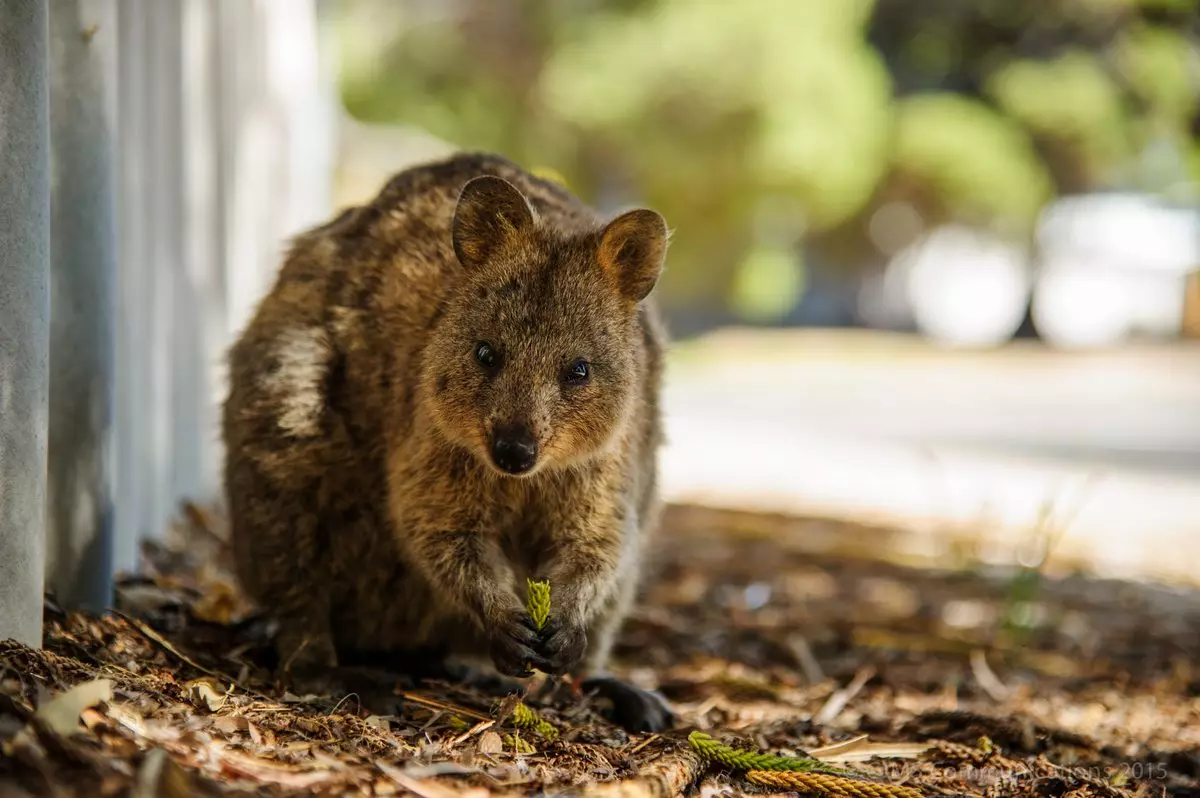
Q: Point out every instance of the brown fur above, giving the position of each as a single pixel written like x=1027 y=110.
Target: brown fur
x=367 y=514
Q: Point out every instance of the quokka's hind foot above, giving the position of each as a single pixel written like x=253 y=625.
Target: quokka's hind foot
x=632 y=708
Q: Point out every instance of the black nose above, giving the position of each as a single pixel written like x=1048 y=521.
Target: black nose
x=513 y=449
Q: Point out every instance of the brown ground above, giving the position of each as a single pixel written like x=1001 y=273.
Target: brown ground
x=968 y=682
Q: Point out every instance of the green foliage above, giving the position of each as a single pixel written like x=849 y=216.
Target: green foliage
x=980 y=163
x=518 y=745
x=1071 y=98
x=769 y=281
x=704 y=110
x=710 y=749
x=798 y=97
x=1161 y=65
x=525 y=718
x=538 y=601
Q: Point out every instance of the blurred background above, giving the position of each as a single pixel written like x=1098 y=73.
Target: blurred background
x=947 y=167
x=936 y=263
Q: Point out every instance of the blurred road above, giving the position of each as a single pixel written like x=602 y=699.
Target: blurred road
x=889 y=429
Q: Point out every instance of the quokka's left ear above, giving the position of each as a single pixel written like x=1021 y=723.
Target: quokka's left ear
x=632 y=248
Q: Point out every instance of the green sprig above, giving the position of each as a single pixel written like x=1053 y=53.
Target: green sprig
x=518 y=745
x=537 y=603
x=712 y=750
x=526 y=718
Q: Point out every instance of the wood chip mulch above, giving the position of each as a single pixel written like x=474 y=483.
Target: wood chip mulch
x=973 y=680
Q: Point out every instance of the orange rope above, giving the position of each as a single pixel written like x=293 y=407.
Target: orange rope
x=828 y=784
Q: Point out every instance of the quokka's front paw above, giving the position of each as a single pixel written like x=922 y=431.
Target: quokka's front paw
x=513 y=642
x=562 y=644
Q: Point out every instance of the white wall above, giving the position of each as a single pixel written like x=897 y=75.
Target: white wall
x=226 y=122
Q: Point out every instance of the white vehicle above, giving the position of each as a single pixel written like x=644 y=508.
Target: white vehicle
x=1112 y=267
x=1105 y=268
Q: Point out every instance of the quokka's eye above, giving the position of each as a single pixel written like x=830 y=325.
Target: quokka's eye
x=578 y=372
x=485 y=355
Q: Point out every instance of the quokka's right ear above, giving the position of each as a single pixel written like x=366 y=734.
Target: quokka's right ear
x=490 y=211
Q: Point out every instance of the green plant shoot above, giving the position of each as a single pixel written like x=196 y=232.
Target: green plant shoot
x=538 y=602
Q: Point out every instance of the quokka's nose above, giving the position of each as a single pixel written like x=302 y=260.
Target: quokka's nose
x=513 y=449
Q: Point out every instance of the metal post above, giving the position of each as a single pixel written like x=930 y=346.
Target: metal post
x=135 y=283
x=79 y=547
x=24 y=314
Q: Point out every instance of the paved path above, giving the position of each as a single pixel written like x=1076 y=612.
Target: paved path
x=885 y=429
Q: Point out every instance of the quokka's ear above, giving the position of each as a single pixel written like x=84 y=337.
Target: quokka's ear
x=490 y=211
x=632 y=248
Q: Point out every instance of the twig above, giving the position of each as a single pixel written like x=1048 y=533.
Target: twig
x=840 y=698
x=482 y=725
x=342 y=700
x=432 y=704
x=802 y=652
x=987 y=678
x=637 y=748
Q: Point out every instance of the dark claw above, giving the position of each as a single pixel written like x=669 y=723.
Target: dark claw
x=562 y=645
x=513 y=648
x=634 y=709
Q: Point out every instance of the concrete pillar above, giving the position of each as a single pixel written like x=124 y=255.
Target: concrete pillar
x=83 y=267
x=24 y=314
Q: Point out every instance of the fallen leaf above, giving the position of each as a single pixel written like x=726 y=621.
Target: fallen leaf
x=422 y=788
x=378 y=722
x=206 y=692
x=230 y=724
x=490 y=743
x=61 y=714
x=266 y=770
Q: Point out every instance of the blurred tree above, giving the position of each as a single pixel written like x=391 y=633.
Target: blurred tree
x=724 y=109
x=753 y=126
x=1095 y=82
